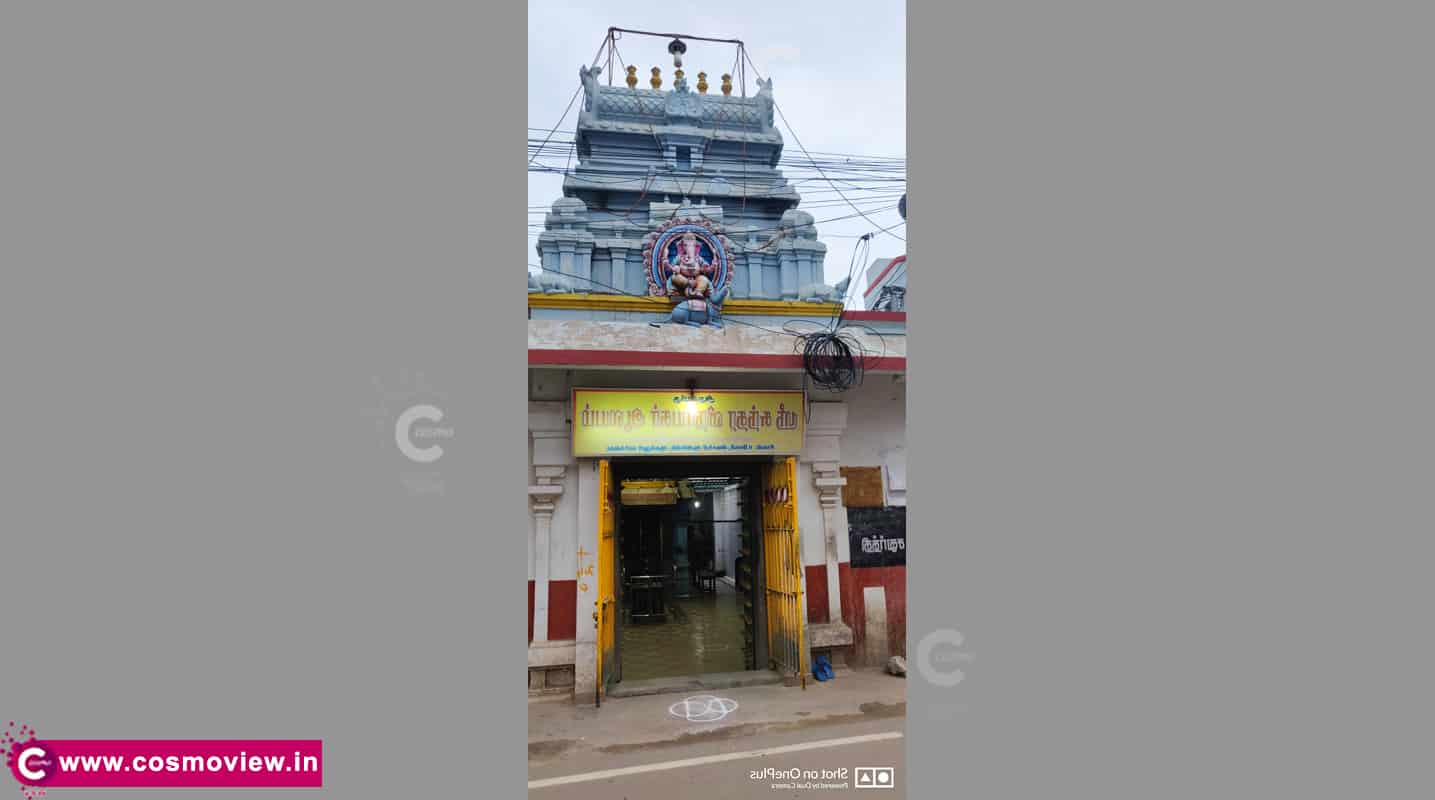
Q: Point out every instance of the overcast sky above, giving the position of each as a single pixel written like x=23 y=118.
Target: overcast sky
x=838 y=70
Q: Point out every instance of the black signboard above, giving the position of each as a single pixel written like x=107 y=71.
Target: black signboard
x=878 y=536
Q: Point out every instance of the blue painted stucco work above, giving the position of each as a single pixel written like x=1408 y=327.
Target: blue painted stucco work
x=653 y=161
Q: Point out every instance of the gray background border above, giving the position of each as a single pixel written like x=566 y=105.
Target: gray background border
x=233 y=234
x=1170 y=397
x=1177 y=419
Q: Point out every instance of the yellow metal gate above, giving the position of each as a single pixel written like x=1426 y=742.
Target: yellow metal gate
x=782 y=569
x=605 y=605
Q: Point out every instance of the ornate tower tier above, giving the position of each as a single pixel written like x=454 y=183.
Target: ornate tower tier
x=649 y=161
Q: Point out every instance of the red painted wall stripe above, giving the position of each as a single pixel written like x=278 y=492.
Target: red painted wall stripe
x=562 y=610
x=642 y=358
x=854 y=610
x=817 y=603
x=875 y=316
x=894 y=262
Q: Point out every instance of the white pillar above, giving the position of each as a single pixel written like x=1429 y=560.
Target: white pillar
x=552 y=453
x=829 y=482
x=544 y=499
x=566 y=258
x=618 y=256
x=585 y=668
x=875 y=649
x=822 y=449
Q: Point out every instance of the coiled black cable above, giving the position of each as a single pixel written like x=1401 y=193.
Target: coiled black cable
x=834 y=359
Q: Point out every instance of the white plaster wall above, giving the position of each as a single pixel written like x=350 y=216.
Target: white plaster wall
x=578 y=334
x=585 y=677
x=563 y=542
x=532 y=524
x=809 y=518
x=876 y=426
x=563 y=538
x=585 y=526
x=876 y=421
x=725 y=507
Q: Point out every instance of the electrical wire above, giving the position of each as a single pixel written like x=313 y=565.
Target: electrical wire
x=766 y=229
x=819 y=169
x=828 y=155
x=596 y=57
x=556 y=125
x=659 y=301
x=833 y=358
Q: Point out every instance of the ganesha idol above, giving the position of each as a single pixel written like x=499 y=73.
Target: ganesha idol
x=690 y=273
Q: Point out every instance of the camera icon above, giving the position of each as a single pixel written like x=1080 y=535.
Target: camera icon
x=876 y=778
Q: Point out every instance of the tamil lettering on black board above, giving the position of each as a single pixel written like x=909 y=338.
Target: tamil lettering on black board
x=878 y=536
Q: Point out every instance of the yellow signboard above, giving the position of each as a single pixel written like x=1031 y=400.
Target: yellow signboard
x=677 y=422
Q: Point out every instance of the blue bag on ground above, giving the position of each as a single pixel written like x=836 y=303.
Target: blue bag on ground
x=821 y=668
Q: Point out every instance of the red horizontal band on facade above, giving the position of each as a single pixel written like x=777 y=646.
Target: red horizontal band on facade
x=894 y=262
x=876 y=316
x=643 y=358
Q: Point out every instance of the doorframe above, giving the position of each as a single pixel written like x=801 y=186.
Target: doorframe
x=750 y=467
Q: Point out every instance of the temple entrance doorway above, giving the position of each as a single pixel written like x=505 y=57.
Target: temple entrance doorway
x=690 y=588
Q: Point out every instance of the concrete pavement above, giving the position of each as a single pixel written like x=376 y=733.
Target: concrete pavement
x=638 y=748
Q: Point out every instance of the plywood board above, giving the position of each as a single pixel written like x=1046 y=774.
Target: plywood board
x=864 y=487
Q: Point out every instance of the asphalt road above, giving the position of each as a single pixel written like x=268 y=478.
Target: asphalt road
x=824 y=749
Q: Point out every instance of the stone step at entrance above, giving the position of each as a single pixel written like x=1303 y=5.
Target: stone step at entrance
x=695 y=683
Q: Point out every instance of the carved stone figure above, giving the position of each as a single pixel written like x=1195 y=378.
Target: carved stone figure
x=698 y=312
x=557 y=283
x=764 y=97
x=818 y=293
x=689 y=270
x=687 y=257
x=589 y=78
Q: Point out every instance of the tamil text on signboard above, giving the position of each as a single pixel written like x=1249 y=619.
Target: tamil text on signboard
x=679 y=422
x=878 y=536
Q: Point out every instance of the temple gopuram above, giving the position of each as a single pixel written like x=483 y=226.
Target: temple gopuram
x=701 y=504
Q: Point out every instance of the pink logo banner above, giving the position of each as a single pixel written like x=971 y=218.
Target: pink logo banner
x=162 y=763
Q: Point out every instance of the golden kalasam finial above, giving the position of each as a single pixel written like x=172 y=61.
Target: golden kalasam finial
x=727 y=84
x=657 y=80
x=677 y=76
x=702 y=83
x=632 y=77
